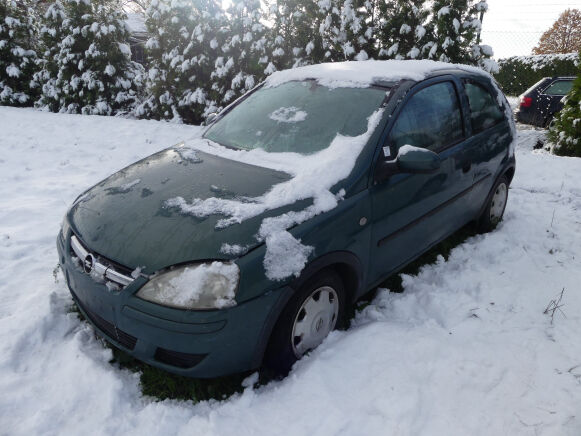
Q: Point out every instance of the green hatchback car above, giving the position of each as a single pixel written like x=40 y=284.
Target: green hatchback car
x=246 y=245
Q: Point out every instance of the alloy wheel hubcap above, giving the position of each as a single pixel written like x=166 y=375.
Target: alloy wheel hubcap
x=498 y=203
x=315 y=320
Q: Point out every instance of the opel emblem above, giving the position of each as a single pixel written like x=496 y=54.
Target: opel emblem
x=88 y=263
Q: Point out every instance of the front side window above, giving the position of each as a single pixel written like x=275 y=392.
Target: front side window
x=484 y=109
x=560 y=87
x=301 y=116
x=430 y=119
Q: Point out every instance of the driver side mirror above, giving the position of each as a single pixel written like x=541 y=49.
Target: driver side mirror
x=409 y=159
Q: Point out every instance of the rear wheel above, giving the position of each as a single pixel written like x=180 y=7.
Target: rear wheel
x=494 y=210
x=313 y=312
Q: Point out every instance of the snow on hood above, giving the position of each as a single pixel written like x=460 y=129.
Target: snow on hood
x=361 y=73
x=285 y=255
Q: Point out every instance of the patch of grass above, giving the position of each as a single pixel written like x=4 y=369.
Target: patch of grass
x=162 y=385
x=74 y=309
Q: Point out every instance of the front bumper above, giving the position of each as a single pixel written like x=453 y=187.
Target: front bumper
x=191 y=343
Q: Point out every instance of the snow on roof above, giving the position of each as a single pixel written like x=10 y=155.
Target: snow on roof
x=363 y=73
x=136 y=22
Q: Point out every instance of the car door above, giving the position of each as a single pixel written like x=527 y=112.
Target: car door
x=411 y=212
x=489 y=138
x=550 y=98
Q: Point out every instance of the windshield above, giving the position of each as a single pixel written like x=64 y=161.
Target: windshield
x=302 y=117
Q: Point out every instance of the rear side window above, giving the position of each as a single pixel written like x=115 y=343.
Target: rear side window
x=484 y=109
x=430 y=119
x=560 y=87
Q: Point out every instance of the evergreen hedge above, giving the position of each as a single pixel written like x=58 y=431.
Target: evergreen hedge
x=565 y=132
x=518 y=73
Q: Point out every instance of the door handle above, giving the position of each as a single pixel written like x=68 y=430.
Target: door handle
x=466 y=167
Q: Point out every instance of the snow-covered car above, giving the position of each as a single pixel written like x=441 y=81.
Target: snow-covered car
x=248 y=244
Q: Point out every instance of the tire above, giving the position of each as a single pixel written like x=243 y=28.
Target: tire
x=549 y=121
x=316 y=309
x=495 y=206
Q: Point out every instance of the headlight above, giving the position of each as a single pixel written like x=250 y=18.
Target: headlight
x=65 y=227
x=202 y=286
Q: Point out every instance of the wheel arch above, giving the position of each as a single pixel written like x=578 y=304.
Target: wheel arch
x=509 y=173
x=346 y=264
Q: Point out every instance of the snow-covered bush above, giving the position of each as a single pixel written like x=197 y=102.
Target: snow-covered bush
x=518 y=73
x=401 y=30
x=51 y=35
x=456 y=24
x=92 y=71
x=345 y=30
x=241 y=63
x=17 y=54
x=294 y=38
x=565 y=133
x=181 y=53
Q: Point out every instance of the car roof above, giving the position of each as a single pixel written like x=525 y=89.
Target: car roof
x=367 y=73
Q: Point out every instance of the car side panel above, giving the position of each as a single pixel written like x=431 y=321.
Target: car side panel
x=489 y=149
x=412 y=211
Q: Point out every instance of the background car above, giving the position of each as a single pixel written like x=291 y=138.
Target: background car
x=213 y=258
x=539 y=103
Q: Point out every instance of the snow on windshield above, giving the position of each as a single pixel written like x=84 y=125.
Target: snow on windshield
x=285 y=255
x=288 y=115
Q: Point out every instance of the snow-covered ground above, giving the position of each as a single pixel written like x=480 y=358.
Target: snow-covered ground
x=465 y=350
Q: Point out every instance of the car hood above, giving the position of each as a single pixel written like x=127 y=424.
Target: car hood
x=125 y=218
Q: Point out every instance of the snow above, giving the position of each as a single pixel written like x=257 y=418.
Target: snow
x=358 y=74
x=129 y=185
x=12 y=70
x=233 y=249
x=405 y=149
x=288 y=115
x=536 y=62
x=443 y=11
x=465 y=349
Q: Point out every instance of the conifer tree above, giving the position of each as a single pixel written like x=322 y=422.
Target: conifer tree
x=456 y=24
x=240 y=65
x=17 y=55
x=51 y=35
x=401 y=32
x=344 y=30
x=565 y=132
x=181 y=51
x=95 y=73
x=297 y=33
x=196 y=97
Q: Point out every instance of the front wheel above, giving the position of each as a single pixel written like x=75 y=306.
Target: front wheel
x=313 y=312
x=494 y=210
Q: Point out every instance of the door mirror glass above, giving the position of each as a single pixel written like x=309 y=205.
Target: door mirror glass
x=412 y=159
x=210 y=118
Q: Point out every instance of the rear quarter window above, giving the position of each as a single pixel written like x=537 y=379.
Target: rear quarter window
x=484 y=109
x=559 y=87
